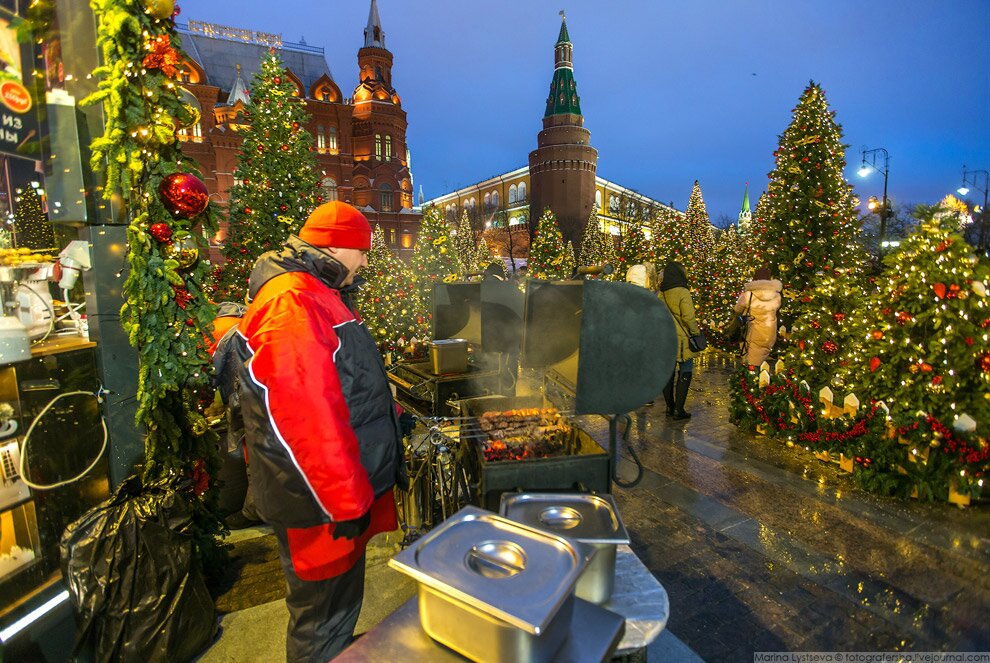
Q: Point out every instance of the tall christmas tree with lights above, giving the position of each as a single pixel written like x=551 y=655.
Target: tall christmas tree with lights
x=31 y=225
x=463 y=241
x=276 y=179
x=810 y=223
x=925 y=342
x=434 y=259
x=597 y=248
x=484 y=256
x=389 y=302
x=667 y=239
x=547 y=255
x=726 y=275
x=633 y=249
x=699 y=237
x=166 y=313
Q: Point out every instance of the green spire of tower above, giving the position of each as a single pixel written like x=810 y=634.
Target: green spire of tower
x=563 y=38
x=563 y=97
x=745 y=205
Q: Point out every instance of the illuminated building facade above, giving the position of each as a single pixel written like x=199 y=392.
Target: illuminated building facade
x=360 y=141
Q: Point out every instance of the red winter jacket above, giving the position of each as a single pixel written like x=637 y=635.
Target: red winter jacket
x=320 y=422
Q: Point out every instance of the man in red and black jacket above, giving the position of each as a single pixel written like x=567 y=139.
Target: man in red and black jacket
x=322 y=430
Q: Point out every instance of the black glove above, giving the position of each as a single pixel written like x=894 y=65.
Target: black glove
x=406 y=423
x=351 y=529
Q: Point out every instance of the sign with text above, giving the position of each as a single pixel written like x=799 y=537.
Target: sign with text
x=18 y=114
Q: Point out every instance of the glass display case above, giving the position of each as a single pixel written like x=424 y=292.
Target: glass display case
x=63 y=442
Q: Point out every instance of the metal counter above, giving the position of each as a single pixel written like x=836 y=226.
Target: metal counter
x=594 y=635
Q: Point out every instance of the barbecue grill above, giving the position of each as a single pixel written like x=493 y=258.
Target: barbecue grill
x=605 y=348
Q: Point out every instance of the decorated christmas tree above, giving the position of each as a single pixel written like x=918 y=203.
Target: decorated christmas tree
x=547 y=255
x=276 y=179
x=726 y=274
x=463 y=241
x=667 y=239
x=434 y=258
x=810 y=223
x=31 y=224
x=570 y=261
x=598 y=248
x=389 y=303
x=633 y=249
x=925 y=344
x=825 y=339
x=484 y=256
x=698 y=233
x=166 y=314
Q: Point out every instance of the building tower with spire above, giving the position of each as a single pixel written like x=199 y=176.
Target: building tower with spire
x=562 y=168
x=382 y=179
x=745 y=215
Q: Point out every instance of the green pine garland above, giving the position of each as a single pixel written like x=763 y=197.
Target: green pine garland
x=166 y=314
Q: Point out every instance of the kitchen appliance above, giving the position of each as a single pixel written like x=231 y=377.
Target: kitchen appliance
x=492 y=589
x=588 y=518
x=426 y=394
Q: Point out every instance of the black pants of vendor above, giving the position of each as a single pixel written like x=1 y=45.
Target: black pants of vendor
x=322 y=613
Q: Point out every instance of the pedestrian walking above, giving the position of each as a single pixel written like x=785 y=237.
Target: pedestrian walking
x=760 y=300
x=323 y=433
x=675 y=294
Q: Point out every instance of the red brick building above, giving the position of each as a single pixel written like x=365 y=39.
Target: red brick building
x=360 y=140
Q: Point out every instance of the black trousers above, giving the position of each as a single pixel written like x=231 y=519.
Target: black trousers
x=322 y=613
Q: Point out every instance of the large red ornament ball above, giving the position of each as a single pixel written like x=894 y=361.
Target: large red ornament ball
x=829 y=347
x=285 y=148
x=277 y=80
x=161 y=231
x=874 y=363
x=184 y=195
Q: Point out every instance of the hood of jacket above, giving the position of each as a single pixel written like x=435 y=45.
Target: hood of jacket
x=299 y=256
x=765 y=290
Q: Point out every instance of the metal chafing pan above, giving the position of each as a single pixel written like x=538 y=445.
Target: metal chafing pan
x=591 y=519
x=492 y=589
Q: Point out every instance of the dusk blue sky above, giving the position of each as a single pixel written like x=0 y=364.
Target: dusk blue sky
x=672 y=91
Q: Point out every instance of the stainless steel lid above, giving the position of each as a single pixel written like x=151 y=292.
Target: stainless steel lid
x=587 y=518
x=508 y=570
x=444 y=342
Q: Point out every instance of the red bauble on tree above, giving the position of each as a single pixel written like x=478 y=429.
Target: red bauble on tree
x=984 y=362
x=161 y=231
x=874 y=363
x=184 y=195
x=829 y=347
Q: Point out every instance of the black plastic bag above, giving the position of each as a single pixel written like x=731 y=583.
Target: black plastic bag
x=138 y=593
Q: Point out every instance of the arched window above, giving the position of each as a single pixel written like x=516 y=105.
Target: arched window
x=488 y=200
x=388 y=148
x=495 y=199
x=378 y=146
x=472 y=203
x=521 y=195
x=385 y=196
x=332 y=139
x=329 y=189
x=512 y=193
x=321 y=139
x=378 y=69
x=598 y=200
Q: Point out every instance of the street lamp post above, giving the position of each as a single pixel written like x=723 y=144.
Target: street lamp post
x=970 y=178
x=870 y=163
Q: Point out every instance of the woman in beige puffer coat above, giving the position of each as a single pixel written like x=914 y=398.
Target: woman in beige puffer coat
x=760 y=299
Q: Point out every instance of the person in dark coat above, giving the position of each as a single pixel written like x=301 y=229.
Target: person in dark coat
x=675 y=294
x=323 y=432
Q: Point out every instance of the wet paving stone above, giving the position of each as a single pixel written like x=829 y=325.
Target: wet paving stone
x=764 y=548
